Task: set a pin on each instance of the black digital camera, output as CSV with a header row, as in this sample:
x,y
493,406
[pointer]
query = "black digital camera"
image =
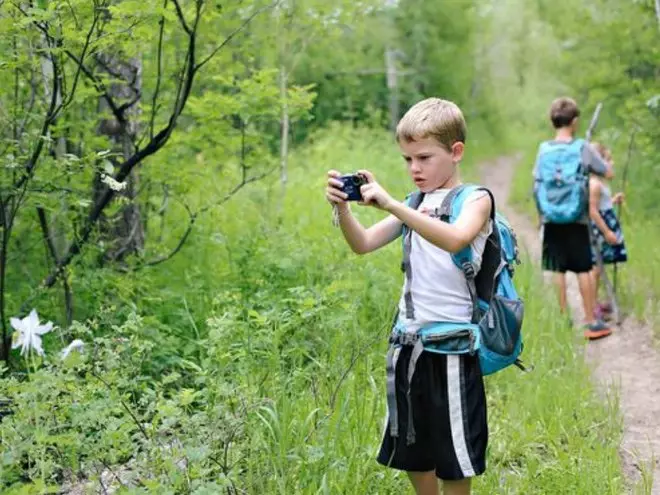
x,y
351,185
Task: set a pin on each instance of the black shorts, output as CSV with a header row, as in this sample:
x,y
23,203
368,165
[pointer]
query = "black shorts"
x,y
566,248
449,411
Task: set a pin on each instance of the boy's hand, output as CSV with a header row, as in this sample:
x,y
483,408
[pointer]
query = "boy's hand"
x,y
333,192
619,198
611,238
373,193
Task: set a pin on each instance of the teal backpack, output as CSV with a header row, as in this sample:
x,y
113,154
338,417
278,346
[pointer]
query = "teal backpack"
x,y
561,182
497,310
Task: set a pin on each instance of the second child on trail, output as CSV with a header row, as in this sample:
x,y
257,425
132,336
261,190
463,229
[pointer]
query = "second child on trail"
x,y
561,175
606,230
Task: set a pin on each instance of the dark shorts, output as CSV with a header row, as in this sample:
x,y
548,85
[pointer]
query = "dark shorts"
x,y
566,248
449,411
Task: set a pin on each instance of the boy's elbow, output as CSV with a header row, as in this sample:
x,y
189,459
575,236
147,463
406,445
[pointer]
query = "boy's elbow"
x,y
360,249
456,245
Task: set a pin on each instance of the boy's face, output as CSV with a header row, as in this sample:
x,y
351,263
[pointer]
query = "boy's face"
x,y
430,164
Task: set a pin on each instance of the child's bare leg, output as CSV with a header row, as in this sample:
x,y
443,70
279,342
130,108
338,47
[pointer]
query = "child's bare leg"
x,y
461,487
425,483
595,274
560,282
586,284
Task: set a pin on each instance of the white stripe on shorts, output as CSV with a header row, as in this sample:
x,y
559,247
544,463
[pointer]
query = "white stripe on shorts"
x,y
456,414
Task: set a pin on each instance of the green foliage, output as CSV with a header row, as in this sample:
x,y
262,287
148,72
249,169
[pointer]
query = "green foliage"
x,y
260,367
610,52
252,359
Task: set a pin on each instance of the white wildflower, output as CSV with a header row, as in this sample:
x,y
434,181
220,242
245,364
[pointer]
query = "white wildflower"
x,y
112,183
654,102
76,345
29,332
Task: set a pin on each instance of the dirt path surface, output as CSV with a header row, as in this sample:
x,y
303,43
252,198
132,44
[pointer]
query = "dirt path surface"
x,y
626,363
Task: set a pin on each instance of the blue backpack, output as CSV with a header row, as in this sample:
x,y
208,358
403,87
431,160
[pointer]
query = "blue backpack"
x,y
561,182
497,310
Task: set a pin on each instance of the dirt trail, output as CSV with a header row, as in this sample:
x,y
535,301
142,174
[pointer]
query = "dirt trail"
x,y
626,363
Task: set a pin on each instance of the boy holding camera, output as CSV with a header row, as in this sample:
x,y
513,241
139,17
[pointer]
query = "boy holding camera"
x,y
446,393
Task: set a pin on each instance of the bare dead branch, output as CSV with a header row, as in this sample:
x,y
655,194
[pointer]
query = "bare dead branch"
x,y
233,34
191,223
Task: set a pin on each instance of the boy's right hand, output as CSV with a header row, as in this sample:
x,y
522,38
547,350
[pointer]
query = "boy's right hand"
x,y
333,191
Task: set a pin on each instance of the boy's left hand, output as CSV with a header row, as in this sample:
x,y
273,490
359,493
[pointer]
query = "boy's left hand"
x,y
618,198
373,193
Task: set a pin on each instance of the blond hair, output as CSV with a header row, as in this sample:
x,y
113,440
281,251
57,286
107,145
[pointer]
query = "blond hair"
x,y
436,118
563,111
602,150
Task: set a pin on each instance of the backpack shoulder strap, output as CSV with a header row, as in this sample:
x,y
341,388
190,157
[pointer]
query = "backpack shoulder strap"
x,y
481,284
450,208
413,200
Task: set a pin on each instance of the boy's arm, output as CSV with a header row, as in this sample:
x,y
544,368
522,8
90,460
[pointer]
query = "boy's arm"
x,y
593,161
362,240
594,213
449,237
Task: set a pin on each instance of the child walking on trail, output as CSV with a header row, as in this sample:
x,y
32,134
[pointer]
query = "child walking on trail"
x,y
561,173
446,392
606,230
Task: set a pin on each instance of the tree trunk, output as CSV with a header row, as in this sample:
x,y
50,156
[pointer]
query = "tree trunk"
x,y
125,231
284,128
57,231
392,87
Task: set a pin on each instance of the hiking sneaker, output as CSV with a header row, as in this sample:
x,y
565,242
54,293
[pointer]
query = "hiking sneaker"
x,y
596,330
600,313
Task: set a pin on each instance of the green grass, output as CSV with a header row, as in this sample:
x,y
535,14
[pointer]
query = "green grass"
x,y
321,430
271,337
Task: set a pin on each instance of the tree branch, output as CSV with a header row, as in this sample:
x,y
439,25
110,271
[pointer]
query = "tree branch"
x,y
192,218
125,169
52,250
190,69
233,34
100,87
50,117
182,19
88,39
45,230
159,73
194,215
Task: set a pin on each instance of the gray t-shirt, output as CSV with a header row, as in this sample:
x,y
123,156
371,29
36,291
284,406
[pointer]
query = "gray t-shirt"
x,y
593,161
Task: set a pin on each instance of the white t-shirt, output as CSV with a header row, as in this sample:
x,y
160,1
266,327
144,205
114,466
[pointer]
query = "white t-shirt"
x,y
438,287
